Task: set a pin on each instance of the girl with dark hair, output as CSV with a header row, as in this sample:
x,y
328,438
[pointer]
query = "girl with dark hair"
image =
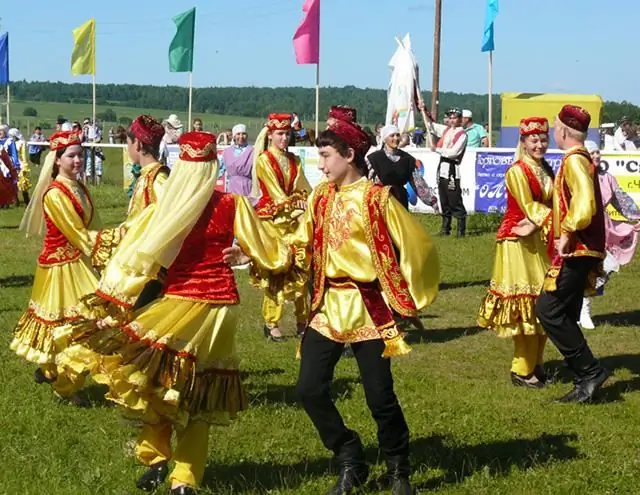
x,y
62,210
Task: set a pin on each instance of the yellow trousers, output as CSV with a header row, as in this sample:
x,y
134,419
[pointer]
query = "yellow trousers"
x,y
64,385
272,310
528,353
190,454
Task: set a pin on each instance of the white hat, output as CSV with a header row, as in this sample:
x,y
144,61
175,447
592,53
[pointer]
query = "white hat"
x,y
388,130
467,114
14,133
66,127
239,129
174,121
591,146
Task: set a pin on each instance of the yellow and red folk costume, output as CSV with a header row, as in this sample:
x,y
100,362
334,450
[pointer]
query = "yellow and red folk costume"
x,y
147,131
579,214
365,267
521,263
63,210
174,365
579,229
279,184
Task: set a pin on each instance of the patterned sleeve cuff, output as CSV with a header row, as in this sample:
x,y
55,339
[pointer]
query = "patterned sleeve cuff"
x,y
105,245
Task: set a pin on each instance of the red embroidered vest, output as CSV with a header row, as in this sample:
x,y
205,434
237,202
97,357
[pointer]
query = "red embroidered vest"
x,y
265,207
379,241
513,214
590,241
198,273
57,249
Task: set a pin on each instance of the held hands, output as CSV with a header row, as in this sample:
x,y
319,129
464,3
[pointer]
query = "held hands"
x,y
234,256
565,245
524,228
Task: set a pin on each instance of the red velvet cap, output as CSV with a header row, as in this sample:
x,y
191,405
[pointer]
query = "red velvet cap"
x,y
197,147
147,130
64,139
574,117
342,112
534,125
279,122
352,134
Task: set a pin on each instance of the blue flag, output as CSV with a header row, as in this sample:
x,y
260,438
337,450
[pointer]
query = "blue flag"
x,y
488,44
4,58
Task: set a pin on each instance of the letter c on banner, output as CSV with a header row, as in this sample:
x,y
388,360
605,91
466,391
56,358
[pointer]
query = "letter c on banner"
x,y
632,166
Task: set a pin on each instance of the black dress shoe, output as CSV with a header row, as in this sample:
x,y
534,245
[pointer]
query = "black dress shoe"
x,y
40,377
522,381
154,477
398,472
183,490
269,336
350,479
585,390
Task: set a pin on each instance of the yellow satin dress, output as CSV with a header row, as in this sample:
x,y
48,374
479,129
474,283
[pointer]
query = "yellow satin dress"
x,y
282,223
519,271
175,366
58,288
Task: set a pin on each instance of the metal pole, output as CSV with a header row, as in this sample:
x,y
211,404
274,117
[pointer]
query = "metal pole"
x,y
435,86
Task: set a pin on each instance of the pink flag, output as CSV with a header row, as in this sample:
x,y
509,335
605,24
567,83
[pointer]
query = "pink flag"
x,y
306,40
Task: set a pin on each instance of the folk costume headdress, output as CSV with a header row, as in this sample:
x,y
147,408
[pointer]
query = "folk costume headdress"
x,y
147,130
184,197
33,220
275,122
342,112
530,126
574,117
352,134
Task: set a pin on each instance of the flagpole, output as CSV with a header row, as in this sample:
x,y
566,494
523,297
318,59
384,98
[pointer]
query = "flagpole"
x,y
490,97
92,151
8,104
317,97
190,97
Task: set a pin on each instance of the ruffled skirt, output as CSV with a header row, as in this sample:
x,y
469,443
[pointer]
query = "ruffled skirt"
x,y
55,302
518,275
176,360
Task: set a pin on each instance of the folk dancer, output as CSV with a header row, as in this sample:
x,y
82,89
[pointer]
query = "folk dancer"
x,y
451,147
281,190
143,145
522,261
62,209
578,228
175,366
359,284
621,236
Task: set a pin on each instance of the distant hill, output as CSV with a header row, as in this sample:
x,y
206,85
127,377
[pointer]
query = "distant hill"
x,y
258,102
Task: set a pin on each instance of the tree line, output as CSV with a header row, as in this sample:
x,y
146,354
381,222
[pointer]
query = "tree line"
x,y
258,102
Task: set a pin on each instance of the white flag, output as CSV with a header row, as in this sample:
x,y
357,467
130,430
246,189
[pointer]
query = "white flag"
x,y
401,97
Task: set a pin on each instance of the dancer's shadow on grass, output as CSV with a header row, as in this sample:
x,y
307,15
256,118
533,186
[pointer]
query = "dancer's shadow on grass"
x,y
341,388
457,462
624,319
614,390
462,285
440,335
16,281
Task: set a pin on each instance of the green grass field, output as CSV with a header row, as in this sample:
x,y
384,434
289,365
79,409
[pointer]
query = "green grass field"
x,y
472,431
48,113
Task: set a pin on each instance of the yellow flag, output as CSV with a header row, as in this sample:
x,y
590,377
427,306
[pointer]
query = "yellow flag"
x,y
83,59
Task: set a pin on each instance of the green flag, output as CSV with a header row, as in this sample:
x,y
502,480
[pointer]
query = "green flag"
x,y
181,48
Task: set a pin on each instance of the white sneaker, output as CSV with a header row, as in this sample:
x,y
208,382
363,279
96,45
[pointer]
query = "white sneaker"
x,y
585,315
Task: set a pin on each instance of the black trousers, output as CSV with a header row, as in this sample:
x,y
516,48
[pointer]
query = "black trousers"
x,y
319,358
152,291
559,312
451,200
